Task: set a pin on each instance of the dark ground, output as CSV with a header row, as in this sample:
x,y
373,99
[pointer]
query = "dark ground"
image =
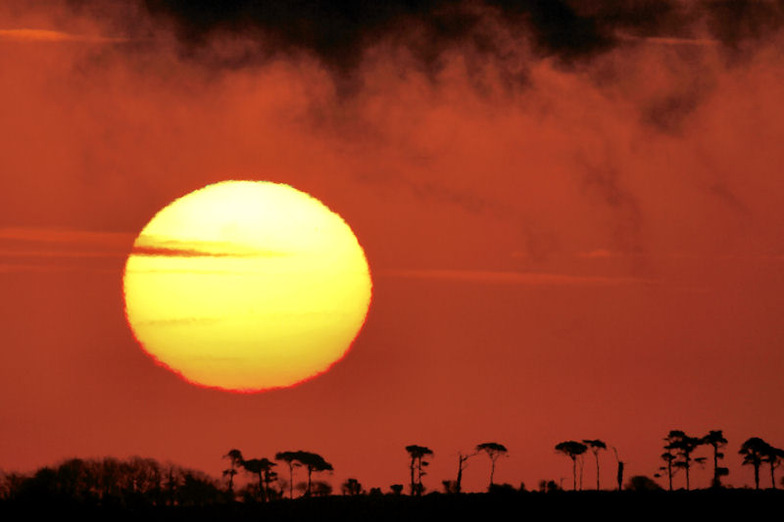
x,y
695,506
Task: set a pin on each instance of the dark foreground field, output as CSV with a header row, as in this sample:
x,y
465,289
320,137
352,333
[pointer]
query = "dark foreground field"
x,y
627,506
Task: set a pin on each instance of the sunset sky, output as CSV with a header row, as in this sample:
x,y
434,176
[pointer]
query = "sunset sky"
x,y
573,214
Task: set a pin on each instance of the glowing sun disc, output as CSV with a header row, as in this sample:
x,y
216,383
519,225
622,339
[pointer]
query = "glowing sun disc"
x,y
246,286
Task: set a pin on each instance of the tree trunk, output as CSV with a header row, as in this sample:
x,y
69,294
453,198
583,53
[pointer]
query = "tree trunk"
x,y
492,472
756,476
574,473
419,477
411,467
716,480
459,481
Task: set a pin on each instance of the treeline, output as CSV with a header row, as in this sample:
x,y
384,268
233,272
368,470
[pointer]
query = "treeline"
x,y
146,482
132,482
679,456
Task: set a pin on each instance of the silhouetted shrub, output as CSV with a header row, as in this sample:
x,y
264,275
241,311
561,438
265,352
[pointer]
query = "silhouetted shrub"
x,y
642,483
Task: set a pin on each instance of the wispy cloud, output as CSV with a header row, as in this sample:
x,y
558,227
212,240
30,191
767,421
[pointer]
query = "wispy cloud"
x,y
47,249
64,235
670,40
148,245
512,278
14,253
47,35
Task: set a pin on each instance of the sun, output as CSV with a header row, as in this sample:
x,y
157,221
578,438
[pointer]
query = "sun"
x,y
246,286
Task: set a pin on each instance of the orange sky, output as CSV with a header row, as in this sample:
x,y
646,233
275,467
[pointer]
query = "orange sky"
x,y
594,252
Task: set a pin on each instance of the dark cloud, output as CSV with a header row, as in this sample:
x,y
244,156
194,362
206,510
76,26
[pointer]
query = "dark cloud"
x,y
668,111
736,22
643,18
506,34
338,33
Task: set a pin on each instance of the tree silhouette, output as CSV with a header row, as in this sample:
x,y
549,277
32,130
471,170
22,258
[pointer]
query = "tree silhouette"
x,y
235,460
314,463
197,489
642,483
318,488
290,458
351,487
132,483
418,455
263,469
716,440
753,451
669,457
596,445
683,445
461,465
619,473
773,456
572,449
756,451
493,450
450,486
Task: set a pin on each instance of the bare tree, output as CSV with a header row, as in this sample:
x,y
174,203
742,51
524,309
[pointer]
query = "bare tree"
x,y
461,465
619,473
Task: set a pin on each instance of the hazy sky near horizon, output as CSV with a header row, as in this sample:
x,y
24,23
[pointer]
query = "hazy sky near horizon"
x,y
572,213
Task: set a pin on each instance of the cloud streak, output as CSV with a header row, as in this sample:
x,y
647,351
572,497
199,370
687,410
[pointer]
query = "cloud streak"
x,y
147,245
46,249
50,36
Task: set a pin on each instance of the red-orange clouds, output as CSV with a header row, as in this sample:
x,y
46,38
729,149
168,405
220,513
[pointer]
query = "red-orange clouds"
x,y
654,160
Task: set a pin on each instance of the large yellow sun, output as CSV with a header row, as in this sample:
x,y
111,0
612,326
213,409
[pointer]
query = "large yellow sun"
x,y
246,286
